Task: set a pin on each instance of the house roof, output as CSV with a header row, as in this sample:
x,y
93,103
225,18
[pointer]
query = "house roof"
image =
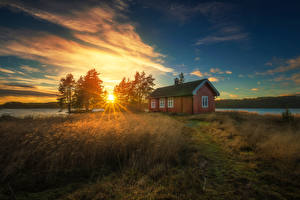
x,y
184,89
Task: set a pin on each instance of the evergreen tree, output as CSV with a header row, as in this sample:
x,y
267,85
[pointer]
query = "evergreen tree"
x,y
66,88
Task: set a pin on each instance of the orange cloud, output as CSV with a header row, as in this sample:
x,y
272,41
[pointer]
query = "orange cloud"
x,y
213,79
254,89
6,71
197,73
291,64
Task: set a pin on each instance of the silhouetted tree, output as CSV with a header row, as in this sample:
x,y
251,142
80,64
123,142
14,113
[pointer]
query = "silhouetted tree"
x,y
122,91
78,98
142,87
135,91
66,87
92,89
181,78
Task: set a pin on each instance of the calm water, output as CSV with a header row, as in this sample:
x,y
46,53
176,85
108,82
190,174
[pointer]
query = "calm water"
x,y
32,112
55,112
261,110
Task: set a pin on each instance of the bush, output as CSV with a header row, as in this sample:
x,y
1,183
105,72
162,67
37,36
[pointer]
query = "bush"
x,y
287,116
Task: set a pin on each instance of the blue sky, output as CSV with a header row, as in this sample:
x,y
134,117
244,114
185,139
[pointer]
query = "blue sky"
x,y
246,48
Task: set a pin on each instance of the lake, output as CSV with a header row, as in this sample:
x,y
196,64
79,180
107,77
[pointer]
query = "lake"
x,y
261,110
55,112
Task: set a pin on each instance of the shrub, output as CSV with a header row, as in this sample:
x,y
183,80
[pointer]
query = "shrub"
x,y
287,116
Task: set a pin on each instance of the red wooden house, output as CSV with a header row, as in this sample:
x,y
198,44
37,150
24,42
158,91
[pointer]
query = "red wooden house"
x,y
190,97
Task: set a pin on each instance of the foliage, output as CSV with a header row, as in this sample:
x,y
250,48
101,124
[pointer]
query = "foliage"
x,y
87,92
287,116
181,78
135,91
66,89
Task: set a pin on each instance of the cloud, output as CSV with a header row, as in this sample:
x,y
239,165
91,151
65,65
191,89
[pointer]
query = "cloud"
x,y
294,77
212,10
269,64
254,89
101,37
228,95
213,79
223,38
236,88
19,85
215,70
5,92
29,69
291,64
6,71
197,73
197,58
219,71
241,76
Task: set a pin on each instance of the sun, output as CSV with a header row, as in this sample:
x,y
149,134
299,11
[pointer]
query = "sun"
x,y
111,98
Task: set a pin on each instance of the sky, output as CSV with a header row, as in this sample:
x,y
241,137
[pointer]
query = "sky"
x,y
245,48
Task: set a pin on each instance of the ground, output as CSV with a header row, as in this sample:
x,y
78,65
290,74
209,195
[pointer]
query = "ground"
x,y
204,169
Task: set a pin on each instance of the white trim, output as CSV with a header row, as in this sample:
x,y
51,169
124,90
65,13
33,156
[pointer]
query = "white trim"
x,y
153,103
170,102
203,82
161,102
204,101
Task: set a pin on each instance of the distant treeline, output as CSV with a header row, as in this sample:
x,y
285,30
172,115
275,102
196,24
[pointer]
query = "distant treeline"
x,y
261,102
29,105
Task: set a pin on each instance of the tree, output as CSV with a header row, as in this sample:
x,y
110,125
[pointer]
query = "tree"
x,y
142,86
136,91
92,89
181,78
66,87
123,91
78,98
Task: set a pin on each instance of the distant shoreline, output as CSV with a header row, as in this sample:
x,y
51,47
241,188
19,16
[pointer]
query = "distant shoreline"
x,y
281,102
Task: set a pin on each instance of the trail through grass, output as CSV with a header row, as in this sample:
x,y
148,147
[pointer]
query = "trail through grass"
x,y
229,177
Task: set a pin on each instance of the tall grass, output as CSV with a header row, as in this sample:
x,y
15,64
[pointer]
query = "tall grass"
x,y
50,146
269,136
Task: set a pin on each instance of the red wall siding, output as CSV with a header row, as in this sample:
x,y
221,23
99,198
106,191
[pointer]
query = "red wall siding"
x,y
156,107
205,90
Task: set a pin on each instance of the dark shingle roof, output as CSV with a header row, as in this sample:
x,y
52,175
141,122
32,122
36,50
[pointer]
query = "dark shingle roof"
x,y
185,89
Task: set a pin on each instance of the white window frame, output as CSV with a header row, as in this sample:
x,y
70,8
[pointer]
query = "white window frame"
x,y
162,102
153,103
204,101
170,102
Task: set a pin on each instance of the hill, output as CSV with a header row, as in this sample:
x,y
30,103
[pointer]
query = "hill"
x,y
261,102
29,105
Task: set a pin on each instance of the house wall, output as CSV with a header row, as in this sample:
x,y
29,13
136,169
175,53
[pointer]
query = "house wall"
x,y
187,105
157,105
181,105
205,90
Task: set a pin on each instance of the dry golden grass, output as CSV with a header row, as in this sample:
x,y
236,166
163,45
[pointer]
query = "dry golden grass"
x,y
267,135
53,145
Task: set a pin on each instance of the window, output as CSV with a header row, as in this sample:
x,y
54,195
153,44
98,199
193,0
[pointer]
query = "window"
x,y
153,103
162,103
204,101
170,102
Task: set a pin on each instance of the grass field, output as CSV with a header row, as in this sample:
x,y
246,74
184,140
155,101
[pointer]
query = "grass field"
x,y
150,156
